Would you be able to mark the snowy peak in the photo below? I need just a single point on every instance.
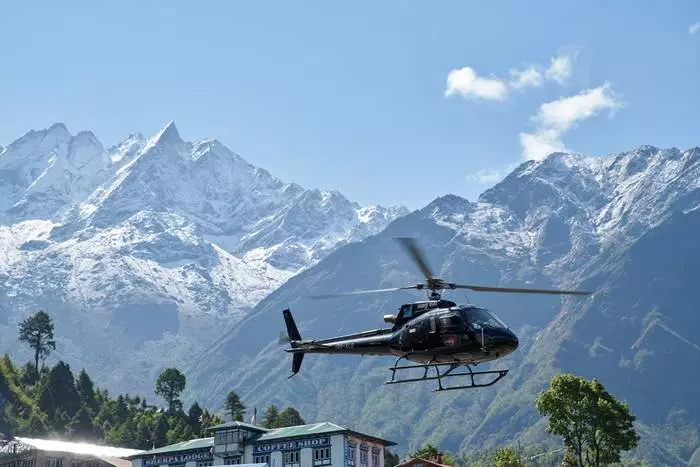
(241, 208)
(45, 172)
(565, 178)
(168, 135)
(571, 208)
(126, 150)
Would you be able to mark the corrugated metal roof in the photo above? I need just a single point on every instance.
(238, 424)
(78, 448)
(315, 429)
(297, 431)
(200, 443)
(302, 430)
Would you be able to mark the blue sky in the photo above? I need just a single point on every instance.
(355, 96)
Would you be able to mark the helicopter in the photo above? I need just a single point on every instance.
(434, 333)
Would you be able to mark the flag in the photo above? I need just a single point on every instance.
(255, 415)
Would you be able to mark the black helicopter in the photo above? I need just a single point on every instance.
(433, 333)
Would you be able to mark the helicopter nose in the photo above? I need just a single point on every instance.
(513, 341)
(505, 339)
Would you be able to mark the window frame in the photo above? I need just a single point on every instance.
(324, 458)
(295, 460)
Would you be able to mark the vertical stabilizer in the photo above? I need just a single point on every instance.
(294, 338)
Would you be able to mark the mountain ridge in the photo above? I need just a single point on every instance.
(153, 244)
(553, 223)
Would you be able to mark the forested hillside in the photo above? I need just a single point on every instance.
(51, 402)
(55, 402)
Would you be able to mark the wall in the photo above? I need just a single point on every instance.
(359, 442)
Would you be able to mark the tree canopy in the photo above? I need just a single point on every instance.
(595, 426)
(56, 403)
(37, 332)
(507, 457)
(169, 385)
(234, 407)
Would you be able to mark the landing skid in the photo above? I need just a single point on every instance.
(445, 374)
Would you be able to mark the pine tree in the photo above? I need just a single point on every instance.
(170, 384)
(289, 417)
(81, 426)
(194, 418)
(269, 419)
(234, 406)
(86, 391)
(37, 332)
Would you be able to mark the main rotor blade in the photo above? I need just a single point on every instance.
(362, 292)
(482, 288)
(417, 255)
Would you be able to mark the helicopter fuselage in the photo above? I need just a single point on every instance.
(436, 331)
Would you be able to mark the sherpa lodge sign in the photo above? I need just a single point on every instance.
(292, 445)
(178, 458)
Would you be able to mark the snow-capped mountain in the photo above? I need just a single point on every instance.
(45, 172)
(568, 221)
(154, 245)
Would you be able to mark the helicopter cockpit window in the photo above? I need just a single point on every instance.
(406, 312)
(482, 318)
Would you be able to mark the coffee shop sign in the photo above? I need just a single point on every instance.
(293, 444)
(177, 458)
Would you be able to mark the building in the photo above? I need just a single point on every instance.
(314, 445)
(420, 462)
(32, 452)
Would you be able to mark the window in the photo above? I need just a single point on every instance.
(290, 458)
(262, 459)
(54, 462)
(232, 460)
(322, 456)
(375, 458)
(406, 312)
(482, 318)
(363, 457)
(229, 437)
(205, 464)
(351, 454)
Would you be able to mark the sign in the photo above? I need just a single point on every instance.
(292, 445)
(178, 458)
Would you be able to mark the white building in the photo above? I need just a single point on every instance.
(32, 452)
(234, 443)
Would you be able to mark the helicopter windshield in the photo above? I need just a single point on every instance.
(482, 318)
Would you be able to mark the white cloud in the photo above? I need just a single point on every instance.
(486, 176)
(466, 82)
(561, 68)
(490, 176)
(528, 77)
(694, 28)
(537, 146)
(557, 117)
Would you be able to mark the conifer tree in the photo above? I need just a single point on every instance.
(37, 332)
